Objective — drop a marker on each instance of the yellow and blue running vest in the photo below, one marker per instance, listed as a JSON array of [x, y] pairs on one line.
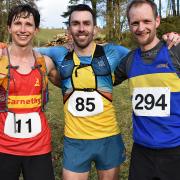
[[155, 90], [89, 113]]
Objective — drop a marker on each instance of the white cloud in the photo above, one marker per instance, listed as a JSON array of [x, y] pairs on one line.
[[51, 11]]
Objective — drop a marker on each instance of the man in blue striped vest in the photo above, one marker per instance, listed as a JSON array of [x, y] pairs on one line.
[[153, 72]]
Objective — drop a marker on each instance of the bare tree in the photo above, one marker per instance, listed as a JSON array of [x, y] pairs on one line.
[[160, 8], [178, 14], [173, 7]]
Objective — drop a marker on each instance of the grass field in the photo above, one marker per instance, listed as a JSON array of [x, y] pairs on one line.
[[56, 121], [46, 35]]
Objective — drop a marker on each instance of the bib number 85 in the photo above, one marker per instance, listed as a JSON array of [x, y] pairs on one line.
[[84, 104], [151, 101], [87, 104]]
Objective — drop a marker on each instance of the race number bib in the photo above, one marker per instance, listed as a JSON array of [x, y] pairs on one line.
[[151, 101], [85, 103], [22, 125]]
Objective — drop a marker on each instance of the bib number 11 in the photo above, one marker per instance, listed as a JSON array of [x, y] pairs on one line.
[[22, 125], [18, 127]]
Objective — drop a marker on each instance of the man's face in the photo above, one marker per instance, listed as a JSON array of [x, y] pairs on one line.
[[82, 28], [143, 24], [23, 30]]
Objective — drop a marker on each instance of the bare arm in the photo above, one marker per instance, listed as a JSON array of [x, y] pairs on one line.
[[53, 73]]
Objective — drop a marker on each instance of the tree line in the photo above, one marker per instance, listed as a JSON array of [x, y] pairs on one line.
[[112, 14]]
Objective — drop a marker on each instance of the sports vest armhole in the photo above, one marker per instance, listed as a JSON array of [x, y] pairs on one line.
[[40, 62], [4, 63], [69, 56], [129, 62], [177, 60], [99, 51], [5, 79]]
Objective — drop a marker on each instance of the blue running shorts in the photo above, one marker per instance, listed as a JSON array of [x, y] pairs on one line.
[[106, 153]]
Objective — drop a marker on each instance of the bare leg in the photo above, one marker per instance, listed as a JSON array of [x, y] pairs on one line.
[[69, 175], [110, 174]]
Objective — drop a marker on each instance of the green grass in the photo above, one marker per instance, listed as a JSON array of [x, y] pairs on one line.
[[56, 122], [46, 35]]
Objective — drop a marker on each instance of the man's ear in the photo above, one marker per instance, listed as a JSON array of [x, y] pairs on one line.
[[36, 31], [68, 30], [9, 29], [158, 21]]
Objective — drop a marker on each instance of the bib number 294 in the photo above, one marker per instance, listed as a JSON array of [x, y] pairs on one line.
[[151, 101]]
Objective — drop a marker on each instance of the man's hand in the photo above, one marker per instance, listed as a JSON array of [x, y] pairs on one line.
[[172, 39]]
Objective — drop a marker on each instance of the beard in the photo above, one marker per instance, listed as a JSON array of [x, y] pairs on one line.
[[143, 41], [82, 43]]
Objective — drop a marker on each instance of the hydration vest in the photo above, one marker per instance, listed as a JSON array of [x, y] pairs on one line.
[[100, 67], [5, 75]]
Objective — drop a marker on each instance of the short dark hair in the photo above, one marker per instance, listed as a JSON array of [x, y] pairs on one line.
[[23, 10], [82, 7], [136, 3]]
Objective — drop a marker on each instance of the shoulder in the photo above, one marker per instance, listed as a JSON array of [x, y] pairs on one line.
[[117, 50], [57, 53], [52, 50], [46, 60], [114, 54], [176, 50], [57, 49], [49, 64], [125, 64], [129, 56]]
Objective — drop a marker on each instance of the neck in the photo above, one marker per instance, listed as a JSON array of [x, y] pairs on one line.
[[87, 51], [22, 52], [150, 45]]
